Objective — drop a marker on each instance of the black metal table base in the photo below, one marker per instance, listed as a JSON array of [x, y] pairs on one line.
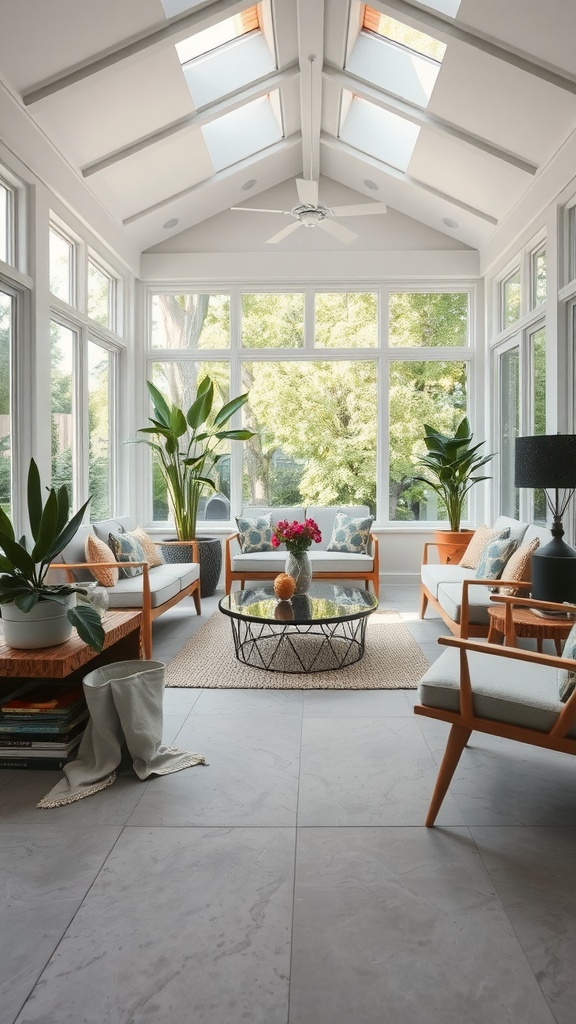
[[314, 647]]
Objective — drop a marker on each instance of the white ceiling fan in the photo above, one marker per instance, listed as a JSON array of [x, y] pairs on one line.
[[311, 214]]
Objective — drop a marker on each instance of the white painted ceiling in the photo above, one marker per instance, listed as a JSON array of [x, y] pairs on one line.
[[104, 83]]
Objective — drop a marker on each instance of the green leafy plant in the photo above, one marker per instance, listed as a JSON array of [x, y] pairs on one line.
[[454, 463], [186, 446], [23, 566]]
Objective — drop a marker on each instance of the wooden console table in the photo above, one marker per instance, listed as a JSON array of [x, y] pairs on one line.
[[527, 624], [122, 642]]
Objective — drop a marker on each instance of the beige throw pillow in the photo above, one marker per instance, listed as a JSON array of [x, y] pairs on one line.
[[518, 568], [97, 551], [152, 553], [480, 539]]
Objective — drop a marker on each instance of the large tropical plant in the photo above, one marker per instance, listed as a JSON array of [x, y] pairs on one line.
[[24, 565], [453, 463], [186, 446]]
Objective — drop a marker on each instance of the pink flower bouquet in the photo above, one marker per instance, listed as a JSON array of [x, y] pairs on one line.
[[296, 536]]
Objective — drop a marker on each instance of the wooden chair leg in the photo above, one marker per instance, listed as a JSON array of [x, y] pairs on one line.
[[197, 600], [457, 740], [423, 602], [147, 638]]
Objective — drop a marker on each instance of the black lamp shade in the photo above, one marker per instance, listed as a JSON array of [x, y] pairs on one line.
[[546, 460]]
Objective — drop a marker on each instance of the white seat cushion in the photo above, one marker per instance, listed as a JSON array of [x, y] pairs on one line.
[[450, 599], [505, 691], [433, 575], [165, 582]]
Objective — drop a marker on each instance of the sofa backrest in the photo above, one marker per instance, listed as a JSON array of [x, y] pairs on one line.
[[517, 529], [75, 552], [325, 516], [540, 532], [291, 513], [104, 527]]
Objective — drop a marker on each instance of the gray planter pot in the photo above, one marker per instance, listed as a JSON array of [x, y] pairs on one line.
[[210, 558], [45, 625]]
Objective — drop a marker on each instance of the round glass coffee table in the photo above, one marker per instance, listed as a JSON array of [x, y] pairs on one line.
[[320, 631]]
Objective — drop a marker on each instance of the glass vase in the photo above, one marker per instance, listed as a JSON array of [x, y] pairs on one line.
[[299, 567]]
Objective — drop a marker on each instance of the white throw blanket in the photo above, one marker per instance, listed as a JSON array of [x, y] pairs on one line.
[[125, 704]]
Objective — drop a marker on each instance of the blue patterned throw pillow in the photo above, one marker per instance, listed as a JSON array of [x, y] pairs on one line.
[[255, 534], [126, 548], [566, 677], [493, 559], [350, 535]]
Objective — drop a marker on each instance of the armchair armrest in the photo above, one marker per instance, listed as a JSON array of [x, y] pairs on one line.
[[439, 545], [466, 584]]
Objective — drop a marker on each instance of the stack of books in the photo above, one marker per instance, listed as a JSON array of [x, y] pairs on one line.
[[41, 725]]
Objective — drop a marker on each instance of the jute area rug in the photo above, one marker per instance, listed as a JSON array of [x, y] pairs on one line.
[[392, 661]]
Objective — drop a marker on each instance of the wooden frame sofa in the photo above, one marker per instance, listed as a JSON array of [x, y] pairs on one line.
[[326, 565], [152, 592], [459, 597], [502, 691]]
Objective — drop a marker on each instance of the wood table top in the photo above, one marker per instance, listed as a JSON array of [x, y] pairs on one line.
[[59, 661], [532, 625]]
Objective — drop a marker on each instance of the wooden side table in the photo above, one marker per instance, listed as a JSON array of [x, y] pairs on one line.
[[122, 642], [528, 624]]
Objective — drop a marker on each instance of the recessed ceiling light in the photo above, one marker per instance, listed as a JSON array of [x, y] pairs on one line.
[[449, 222], [371, 184], [248, 185], [171, 223]]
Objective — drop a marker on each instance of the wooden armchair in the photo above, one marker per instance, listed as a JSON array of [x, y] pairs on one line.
[[502, 691]]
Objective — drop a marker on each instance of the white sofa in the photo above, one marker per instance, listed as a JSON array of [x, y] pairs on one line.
[[153, 591], [458, 596], [326, 565]]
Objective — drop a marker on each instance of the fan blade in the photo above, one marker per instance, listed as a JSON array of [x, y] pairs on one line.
[[337, 231], [284, 233], [254, 209], [360, 210], [307, 191]]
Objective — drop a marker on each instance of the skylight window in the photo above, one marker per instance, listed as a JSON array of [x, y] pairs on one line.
[[403, 35], [224, 32], [243, 132], [379, 133]]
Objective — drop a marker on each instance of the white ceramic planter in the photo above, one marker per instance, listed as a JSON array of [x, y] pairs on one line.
[[45, 625]]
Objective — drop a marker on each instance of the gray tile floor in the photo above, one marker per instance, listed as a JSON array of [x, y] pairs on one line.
[[292, 881]]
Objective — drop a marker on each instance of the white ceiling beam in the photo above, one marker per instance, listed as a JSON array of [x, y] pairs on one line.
[[310, 20], [170, 32], [342, 147], [446, 28], [204, 115], [417, 115], [285, 145]]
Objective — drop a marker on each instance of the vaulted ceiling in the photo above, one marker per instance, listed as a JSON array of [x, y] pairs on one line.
[[172, 113]]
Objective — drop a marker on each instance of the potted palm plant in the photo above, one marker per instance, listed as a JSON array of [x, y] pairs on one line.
[[36, 613], [453, 463], [186, 446]]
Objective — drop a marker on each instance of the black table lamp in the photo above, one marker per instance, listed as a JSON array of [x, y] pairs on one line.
[[548, 461]]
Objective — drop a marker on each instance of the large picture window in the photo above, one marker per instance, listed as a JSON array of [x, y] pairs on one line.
[[336, 394]]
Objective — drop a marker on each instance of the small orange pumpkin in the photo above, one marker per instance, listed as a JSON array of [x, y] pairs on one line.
[[284, 586]]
